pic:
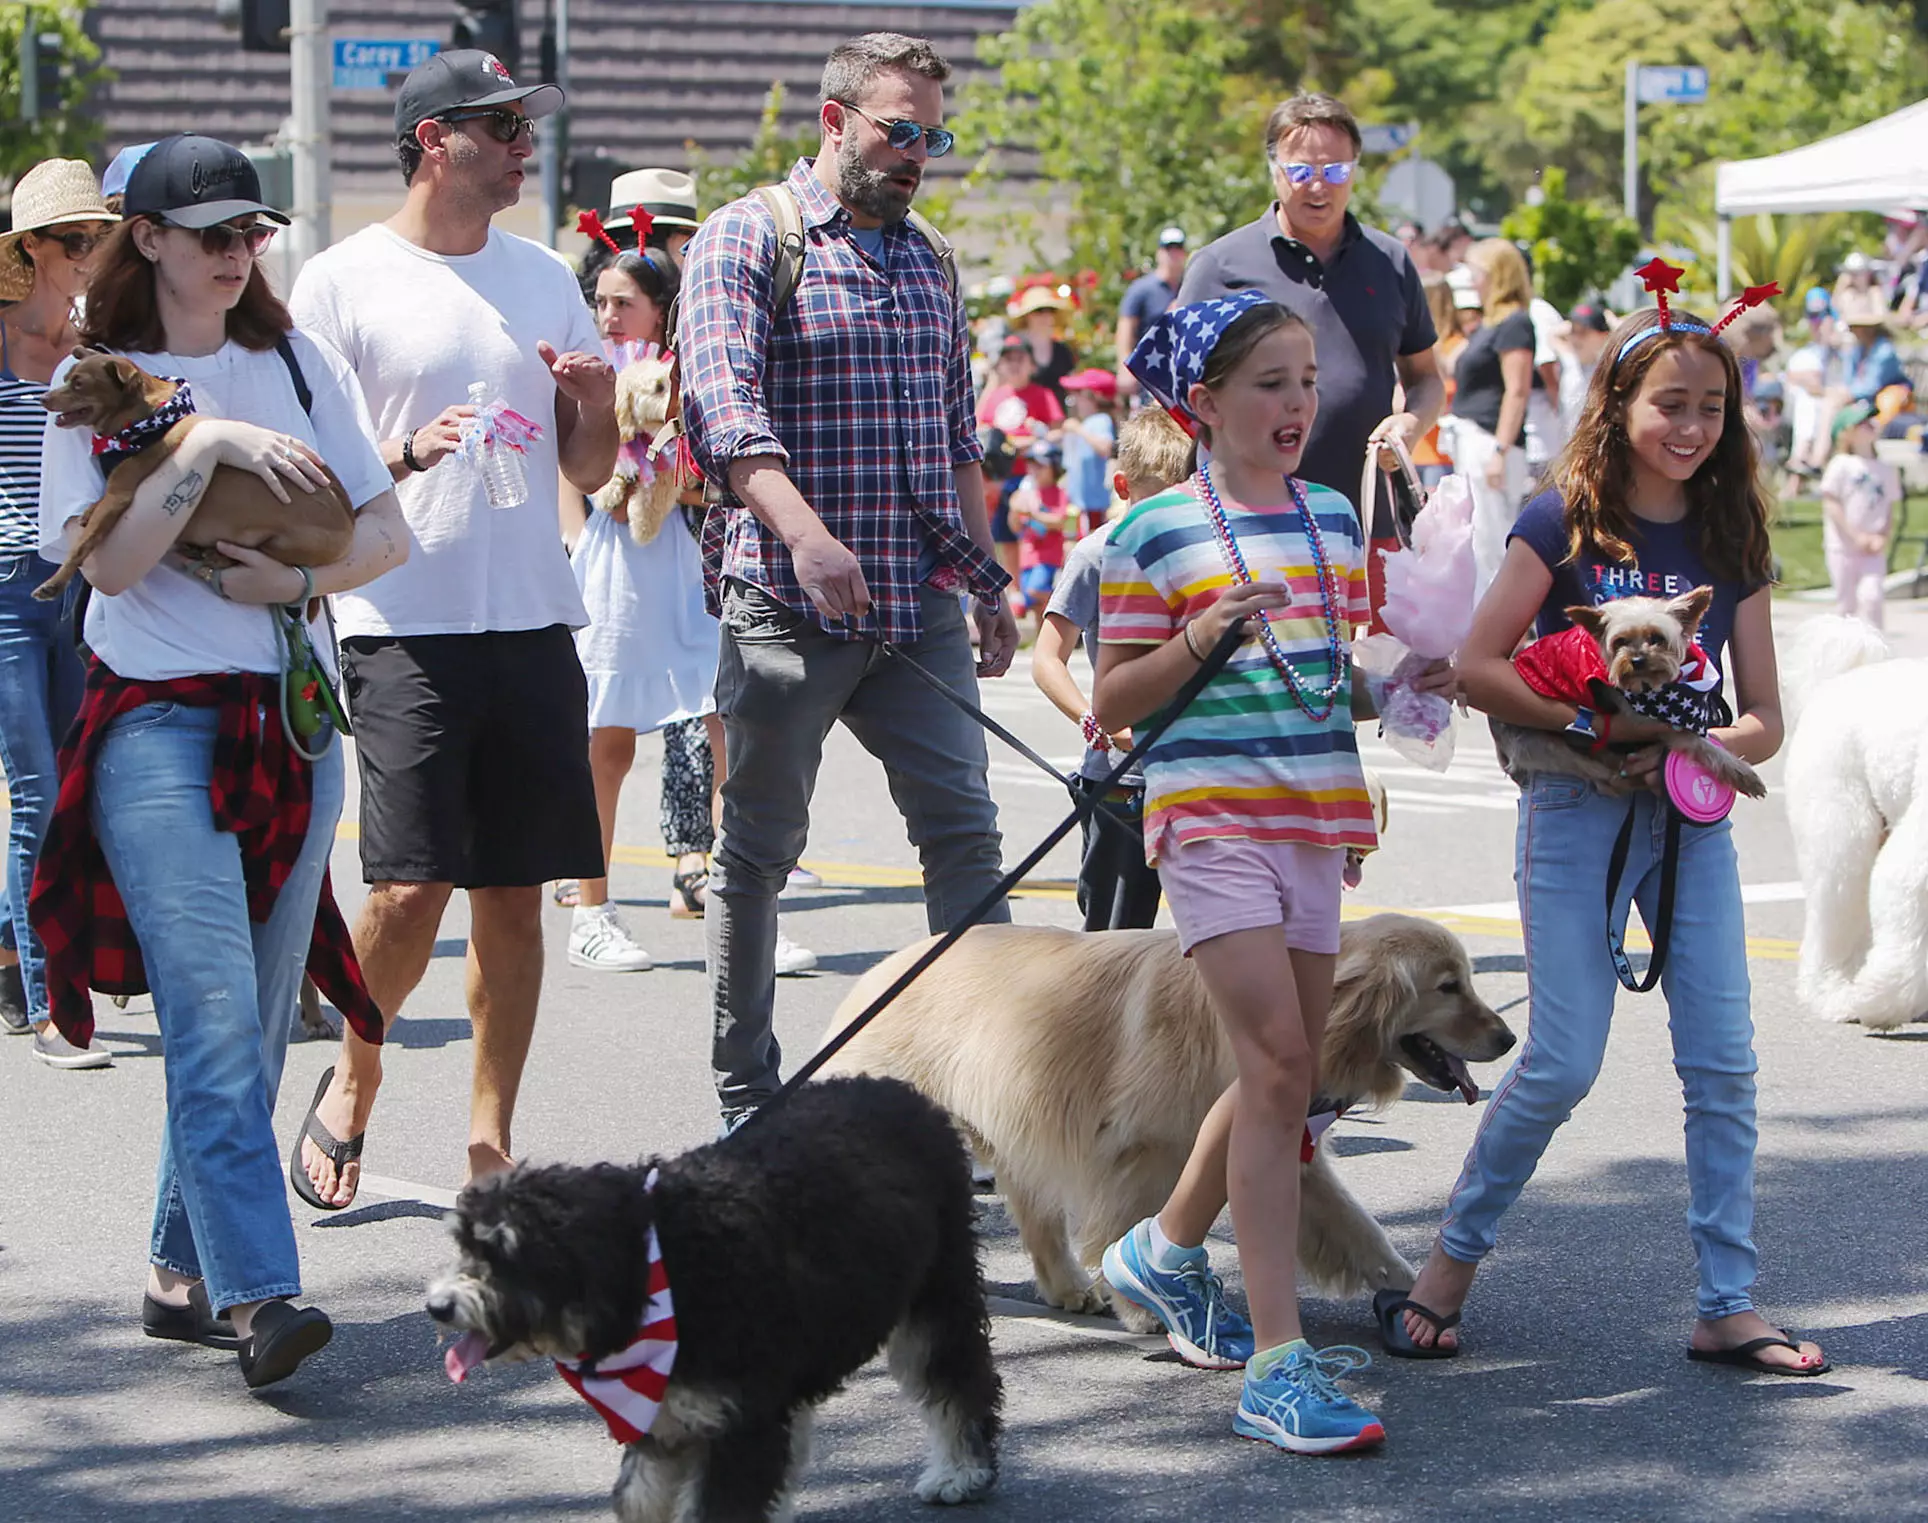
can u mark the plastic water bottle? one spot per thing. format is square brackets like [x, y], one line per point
[503, 481]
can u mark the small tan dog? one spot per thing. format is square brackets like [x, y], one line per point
[1630, 655]
[1080, 1065]
[645, 488]
[106, 393]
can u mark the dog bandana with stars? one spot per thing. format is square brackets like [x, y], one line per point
[1568, 664]
[113, 449]
[626, 1388]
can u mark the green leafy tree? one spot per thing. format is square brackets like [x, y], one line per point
[63, 129]
[1797, 252]
[772, 151]
[1579, 247]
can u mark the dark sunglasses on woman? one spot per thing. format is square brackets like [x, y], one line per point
[222, 237]
[904, 136]
[503, 126]
[76, 245]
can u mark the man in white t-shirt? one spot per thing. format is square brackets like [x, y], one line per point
[470, 708]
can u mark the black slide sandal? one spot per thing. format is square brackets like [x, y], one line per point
[1746, 1357]
[1390, 1306]
[340, 1153]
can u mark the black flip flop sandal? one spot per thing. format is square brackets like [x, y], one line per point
[1390, 1307]
[339, 1153]
[1747, 1357]
[689, 888]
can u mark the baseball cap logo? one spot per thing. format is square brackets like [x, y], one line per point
[494, 66]
[202, 178]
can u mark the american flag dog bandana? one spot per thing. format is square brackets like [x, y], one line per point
[1568, 666]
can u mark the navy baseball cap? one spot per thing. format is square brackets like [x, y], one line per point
[466, 79]
[195, 182]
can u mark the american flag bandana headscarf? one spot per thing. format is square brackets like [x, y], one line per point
[1170, 357]
[626, 1388]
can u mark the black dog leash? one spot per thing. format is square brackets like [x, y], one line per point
[1663, 931]
[1194, 685]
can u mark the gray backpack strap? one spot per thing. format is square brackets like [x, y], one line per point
[940, 246]
[791, 245]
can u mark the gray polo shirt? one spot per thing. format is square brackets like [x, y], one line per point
[1365, 309]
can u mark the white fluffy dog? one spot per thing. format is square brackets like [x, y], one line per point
[1857, 800]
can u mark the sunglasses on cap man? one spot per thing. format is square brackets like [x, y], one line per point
[906, 135]
[502, 125]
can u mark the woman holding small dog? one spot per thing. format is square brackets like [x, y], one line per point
[189, 819]
[59, 220]
[1657, 493]
[1252, 798]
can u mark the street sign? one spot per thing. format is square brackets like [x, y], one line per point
[1681, 85]
[1386, 137]
[368, 63]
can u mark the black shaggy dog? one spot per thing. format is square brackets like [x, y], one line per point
[830, 1227]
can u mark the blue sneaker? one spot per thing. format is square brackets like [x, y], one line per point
[1189, 1301]
[1297, 1405]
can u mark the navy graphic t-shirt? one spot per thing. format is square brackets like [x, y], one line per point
[1667, 564]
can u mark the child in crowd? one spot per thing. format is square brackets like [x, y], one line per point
[1251, 799]
[1859, 496]
[1040, 512]
[1117, 888]
[1090, 435]
[1657, 494]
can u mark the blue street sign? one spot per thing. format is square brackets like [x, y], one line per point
[1682, 84]
[366, 63]
[1385, 137]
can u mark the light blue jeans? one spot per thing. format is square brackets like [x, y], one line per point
[40, 684]
[224, 993]
[1565, 837]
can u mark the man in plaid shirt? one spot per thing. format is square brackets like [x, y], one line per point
[841, 430]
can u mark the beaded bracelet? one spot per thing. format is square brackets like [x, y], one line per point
[1094, 733]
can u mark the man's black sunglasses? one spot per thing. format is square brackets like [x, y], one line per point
[904, 136]
[503, 126]
[223, 236]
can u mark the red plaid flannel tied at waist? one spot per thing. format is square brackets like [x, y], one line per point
[261, 791]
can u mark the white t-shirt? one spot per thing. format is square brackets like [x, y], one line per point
[169, 624]
[419, 328]
[1869, 491]
[1546, 429]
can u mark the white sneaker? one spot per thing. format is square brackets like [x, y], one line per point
[599, 940]
[800, 879]
[792, 958]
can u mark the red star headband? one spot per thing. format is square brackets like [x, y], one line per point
[643, 222]
[590, 225]
[1663, 279]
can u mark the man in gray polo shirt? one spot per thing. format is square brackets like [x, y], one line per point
[1355, 286]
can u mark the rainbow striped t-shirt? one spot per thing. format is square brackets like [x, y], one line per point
[1244, 760]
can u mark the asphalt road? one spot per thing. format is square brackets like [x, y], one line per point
[1573, 1399]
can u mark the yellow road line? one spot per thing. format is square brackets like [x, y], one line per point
[868, 875]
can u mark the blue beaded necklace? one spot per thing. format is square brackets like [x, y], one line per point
[1318, 703]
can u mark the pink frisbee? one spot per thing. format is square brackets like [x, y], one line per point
[1696, 792]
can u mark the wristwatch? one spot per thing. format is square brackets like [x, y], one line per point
[1585, 729]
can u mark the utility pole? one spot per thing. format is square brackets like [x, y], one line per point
[1632, 149]
[309, 144]
[553, 149]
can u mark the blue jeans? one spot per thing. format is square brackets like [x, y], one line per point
[1566, 835]
[224, 993]
[40, 683]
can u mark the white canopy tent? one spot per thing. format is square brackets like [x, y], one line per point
[1882, 167]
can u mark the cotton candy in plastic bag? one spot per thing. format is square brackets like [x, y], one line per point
[1427, 612]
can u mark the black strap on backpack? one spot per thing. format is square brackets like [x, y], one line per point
[303, 394]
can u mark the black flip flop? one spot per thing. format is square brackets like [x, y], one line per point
[340, 1153]
[1747, 1357]
[1390, 1306]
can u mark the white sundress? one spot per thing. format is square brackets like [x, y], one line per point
[649, 649]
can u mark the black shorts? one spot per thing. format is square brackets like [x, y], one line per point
[474, 755]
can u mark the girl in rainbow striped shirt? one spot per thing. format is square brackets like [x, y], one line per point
[1252, 797]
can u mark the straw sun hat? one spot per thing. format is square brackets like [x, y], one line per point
[52, 192]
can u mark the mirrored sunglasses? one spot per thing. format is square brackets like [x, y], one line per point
[222, 237]
[1332, 174]
[503, 126]
[904, 136]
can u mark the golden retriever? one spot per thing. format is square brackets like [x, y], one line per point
[1081, 1065]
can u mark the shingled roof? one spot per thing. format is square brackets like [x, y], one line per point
[646, 79]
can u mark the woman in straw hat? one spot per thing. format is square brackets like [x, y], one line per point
[1035, 316]
[58, 219]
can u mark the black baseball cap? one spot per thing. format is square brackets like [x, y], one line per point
[465, 79]
[195, 182]
[1587, 315]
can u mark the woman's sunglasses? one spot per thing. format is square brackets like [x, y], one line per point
[503, 126]
[1332, 174]
[76, 245]
[904, 136]
[222, 237]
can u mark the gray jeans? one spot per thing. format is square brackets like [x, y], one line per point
[781, 683]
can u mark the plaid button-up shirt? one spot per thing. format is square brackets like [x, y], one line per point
[862, 385]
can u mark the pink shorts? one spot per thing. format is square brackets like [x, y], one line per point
[1225, 884]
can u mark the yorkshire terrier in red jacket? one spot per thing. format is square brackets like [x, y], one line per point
[1630, 655]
